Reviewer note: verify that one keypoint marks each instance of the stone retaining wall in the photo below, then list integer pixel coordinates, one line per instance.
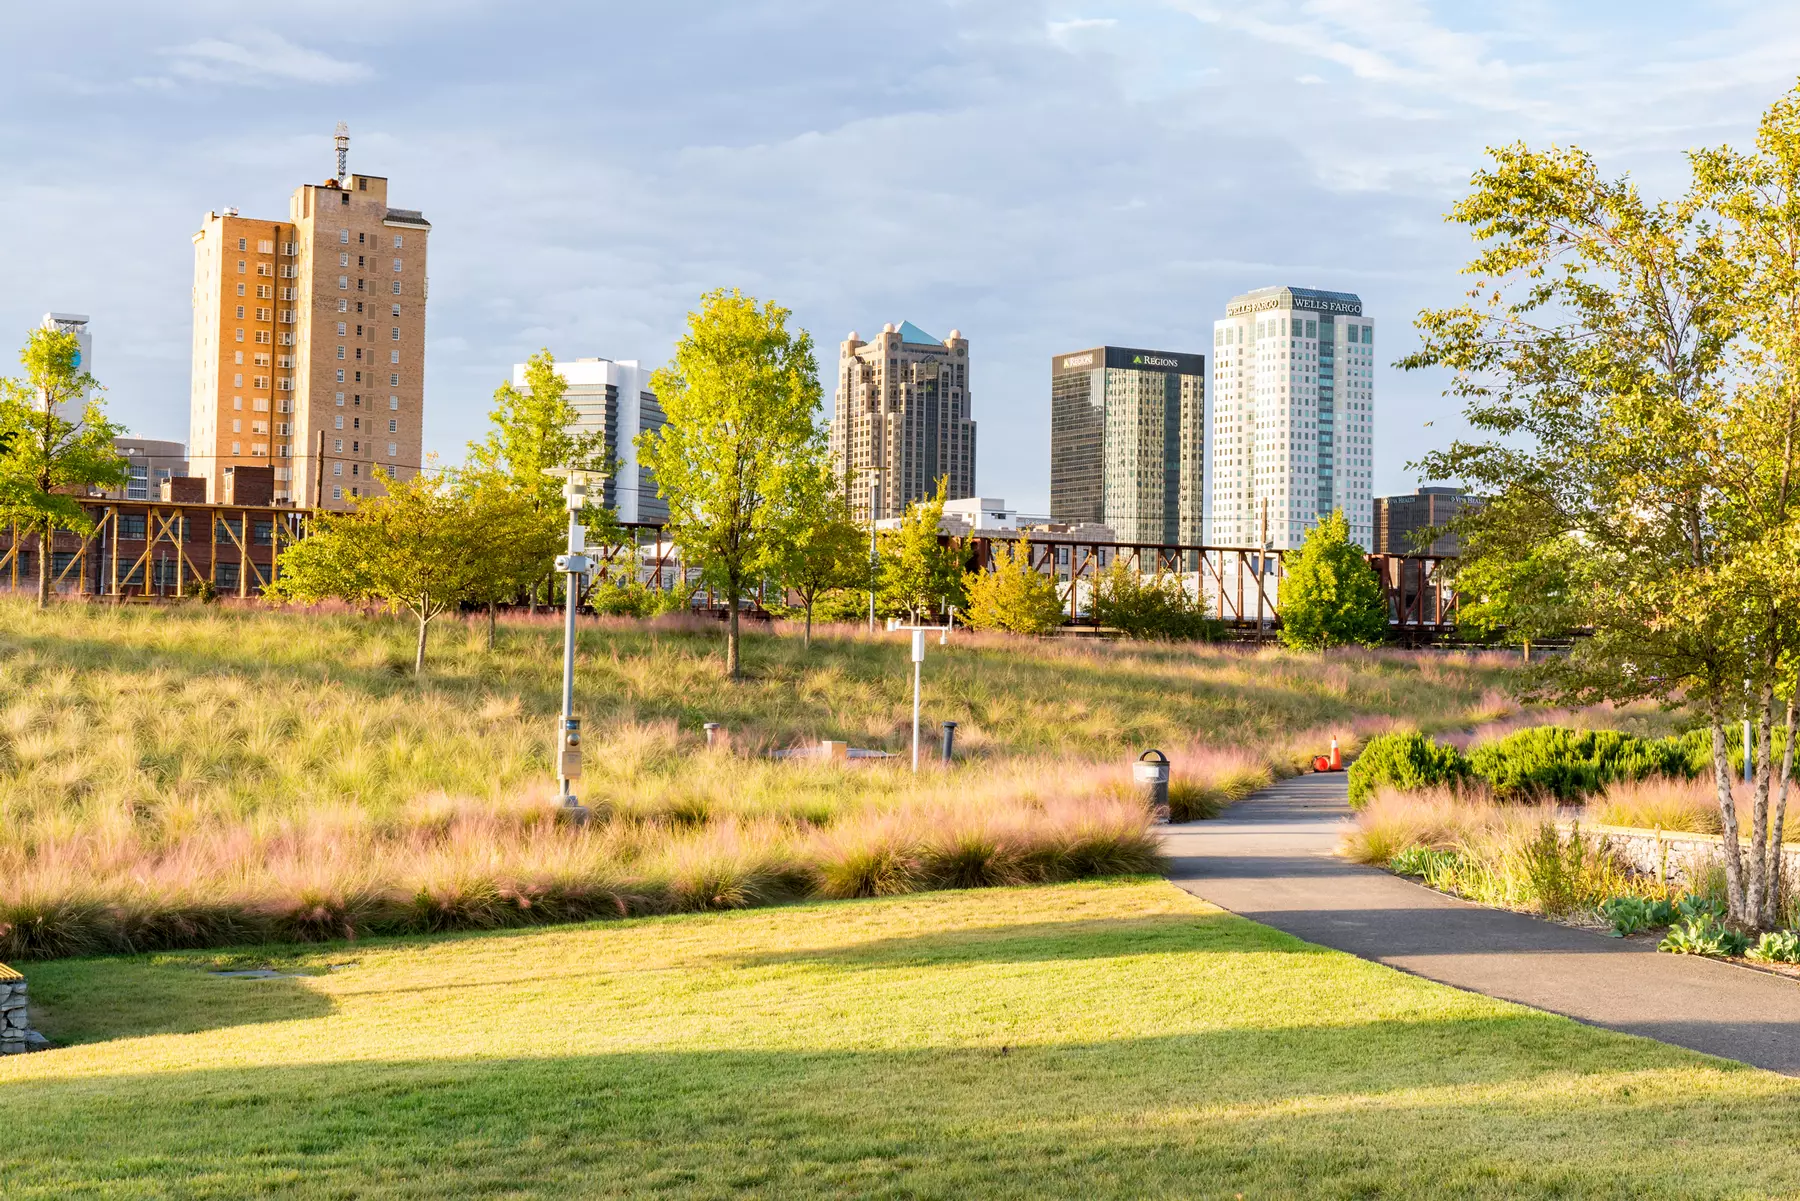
(16, 1034)
(1672, 857)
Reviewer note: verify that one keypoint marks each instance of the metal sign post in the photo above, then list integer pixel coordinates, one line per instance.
(918, 662)
(573, 565)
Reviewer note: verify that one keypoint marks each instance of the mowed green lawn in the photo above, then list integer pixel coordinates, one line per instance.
(1091, 1040)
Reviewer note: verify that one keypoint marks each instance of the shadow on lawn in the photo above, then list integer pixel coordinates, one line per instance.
(1043, 942)
(89, 1001)
(1312, 1110)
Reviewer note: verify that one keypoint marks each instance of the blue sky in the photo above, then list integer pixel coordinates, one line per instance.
(1041, 176)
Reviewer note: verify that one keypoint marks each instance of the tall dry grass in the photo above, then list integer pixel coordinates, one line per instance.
(208, 775)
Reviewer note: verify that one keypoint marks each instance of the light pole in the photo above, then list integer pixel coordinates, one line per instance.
(573, 565)
(874, 555)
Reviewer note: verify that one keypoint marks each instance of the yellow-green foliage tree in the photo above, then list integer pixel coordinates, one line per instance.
(531, 441)
(1014, 596)
(741, 396)
(819, 547)
(1156, 605)
(920, 574)
(419, 547)
(1330, 596)
(48, 461)
(1631, 368)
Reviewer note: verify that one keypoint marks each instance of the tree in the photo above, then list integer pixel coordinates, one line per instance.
(518, 542)
(818, 546)
(740, 396)
(533, 440)
(1631, 368)
(1330, 596)
(419, 548)
(918, 573)
(1014, 596)
(47, 461)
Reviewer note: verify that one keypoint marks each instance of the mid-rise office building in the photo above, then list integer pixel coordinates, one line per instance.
(901, 421)
(614, 400)
(1293, 417)
(309, 341)
(1400, 521)
(148, 462)
(1127, 442)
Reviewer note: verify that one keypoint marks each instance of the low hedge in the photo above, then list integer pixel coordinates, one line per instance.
(1541, 762)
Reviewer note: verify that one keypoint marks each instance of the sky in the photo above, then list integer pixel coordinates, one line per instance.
(1044, 177)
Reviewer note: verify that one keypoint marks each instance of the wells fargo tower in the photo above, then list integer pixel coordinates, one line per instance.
(309, 341)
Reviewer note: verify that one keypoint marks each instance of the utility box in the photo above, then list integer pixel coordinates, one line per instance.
(252, 486)
(185, 489)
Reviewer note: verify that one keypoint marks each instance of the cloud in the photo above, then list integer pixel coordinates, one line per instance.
(258, 58)
(1065, 31)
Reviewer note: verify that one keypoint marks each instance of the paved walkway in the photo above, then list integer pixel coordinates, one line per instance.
(1270, 859)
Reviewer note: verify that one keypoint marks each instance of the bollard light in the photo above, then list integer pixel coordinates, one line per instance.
(712, 731)
(1151, 776)
(949, 740)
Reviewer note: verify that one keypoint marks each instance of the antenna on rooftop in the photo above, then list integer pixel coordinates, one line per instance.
(343, 150)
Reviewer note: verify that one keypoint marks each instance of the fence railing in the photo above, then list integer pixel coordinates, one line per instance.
(150, 549)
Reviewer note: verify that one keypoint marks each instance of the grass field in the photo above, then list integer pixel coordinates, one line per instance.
(202, 776)
(1095, 1040)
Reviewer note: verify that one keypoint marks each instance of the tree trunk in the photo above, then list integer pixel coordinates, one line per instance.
(807, 643)
(731, 636)
(419, 657)
(46, 541)
(1774, 875)
(1734, 872)
(490, 645)
(1755, 889)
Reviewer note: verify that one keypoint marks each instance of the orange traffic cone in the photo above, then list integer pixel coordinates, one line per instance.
(1337, 760)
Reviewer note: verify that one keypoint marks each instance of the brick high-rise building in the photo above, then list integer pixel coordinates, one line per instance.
(309, 341)
(902, 410)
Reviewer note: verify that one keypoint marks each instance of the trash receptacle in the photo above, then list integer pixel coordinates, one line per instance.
(1151, 775)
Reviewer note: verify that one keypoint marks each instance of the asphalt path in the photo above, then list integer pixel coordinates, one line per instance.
(1270, 859)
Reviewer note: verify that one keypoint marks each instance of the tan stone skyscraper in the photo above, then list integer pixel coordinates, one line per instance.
(309, 341)
(902, 409)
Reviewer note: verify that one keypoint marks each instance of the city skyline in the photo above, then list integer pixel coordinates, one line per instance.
(1119, 210)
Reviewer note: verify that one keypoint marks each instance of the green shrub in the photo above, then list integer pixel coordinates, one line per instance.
(1777, 946)
(1015, 596)
(1550, 761)
(1630, 915)
(1407, 761)
(1704, 935)
(1155, 606)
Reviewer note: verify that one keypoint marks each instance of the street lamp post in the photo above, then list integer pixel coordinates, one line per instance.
(874, 555)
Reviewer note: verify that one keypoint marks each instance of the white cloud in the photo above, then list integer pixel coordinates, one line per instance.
(1065, 31)
(259, 58)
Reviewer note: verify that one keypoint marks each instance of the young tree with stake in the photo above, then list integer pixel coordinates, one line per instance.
(819, 546)
(741, 396)
(47, 461)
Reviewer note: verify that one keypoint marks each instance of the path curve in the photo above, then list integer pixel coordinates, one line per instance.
(1269, 858)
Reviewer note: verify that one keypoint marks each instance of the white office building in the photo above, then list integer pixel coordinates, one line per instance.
(614, 400)
(1292, 423)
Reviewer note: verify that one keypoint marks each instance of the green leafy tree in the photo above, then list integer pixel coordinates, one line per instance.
(918, 572)
(532, 440)
(1014, 596)
(819, 547)
(1330, 596)
(1520, 594)
(741, 397)
(1632, 370)
(418, 548)
(48, 461)
(518, 541)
